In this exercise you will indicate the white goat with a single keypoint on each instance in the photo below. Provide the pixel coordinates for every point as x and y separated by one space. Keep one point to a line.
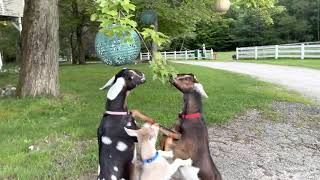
155 166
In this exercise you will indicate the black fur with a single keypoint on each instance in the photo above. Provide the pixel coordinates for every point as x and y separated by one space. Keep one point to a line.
112 161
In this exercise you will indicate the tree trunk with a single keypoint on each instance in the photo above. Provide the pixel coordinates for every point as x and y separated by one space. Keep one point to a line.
81 49
74 56
40 49
154 46
18 50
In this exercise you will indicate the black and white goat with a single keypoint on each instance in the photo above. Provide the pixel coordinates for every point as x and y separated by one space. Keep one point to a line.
116 147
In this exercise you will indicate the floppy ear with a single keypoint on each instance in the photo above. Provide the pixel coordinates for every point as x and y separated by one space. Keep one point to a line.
116 88
131 132
199 88
109 83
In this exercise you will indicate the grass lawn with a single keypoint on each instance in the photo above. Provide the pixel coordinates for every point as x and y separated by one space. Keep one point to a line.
309 63
63 130
225 56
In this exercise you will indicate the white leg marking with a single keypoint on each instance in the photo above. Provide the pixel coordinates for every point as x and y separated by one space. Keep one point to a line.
113 177
99 170
121 146
106 140
115 169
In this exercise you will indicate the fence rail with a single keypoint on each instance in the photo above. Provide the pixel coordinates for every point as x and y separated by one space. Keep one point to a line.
301 51
183 55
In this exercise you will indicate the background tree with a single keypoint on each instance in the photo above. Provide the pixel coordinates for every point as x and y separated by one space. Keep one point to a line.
75 24
8 41
40 49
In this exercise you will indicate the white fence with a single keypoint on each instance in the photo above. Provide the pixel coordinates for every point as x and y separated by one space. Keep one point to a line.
301 51
183 55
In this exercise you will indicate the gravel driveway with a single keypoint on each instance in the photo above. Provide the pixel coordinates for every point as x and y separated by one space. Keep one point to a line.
304 80
254 147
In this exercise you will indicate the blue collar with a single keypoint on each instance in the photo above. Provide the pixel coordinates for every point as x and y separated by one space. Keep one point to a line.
153 158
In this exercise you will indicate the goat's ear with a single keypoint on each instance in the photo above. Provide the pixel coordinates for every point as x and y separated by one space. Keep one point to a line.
109 83
131 132
116 88
199 88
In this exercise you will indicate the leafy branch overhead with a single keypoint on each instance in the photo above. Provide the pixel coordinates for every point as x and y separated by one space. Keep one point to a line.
115 18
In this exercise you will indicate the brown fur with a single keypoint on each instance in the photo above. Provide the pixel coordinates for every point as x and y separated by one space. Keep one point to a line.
194 135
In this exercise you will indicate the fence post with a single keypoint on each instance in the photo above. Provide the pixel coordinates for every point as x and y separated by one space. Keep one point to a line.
255 52
212 55
277 52
186 54
302 51
165 55
148 56
198 54
1 64
175 55
237 53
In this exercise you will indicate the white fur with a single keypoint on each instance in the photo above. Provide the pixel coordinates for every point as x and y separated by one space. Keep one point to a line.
160 169
99 170
115 169
121 146
189 172
116 88
129 124
199 88
131 132
113 177
109 83
106 140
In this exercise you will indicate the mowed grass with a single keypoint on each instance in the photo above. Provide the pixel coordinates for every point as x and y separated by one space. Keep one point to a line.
225 56
63 130
308 63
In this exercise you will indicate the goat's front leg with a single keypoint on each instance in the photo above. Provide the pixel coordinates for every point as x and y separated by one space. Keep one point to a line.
137 114
170 133
176 164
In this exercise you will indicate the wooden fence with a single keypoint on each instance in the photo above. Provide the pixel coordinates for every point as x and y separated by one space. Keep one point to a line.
299 51
183 55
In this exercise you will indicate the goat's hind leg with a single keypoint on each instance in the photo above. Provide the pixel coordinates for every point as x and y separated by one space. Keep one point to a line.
176 164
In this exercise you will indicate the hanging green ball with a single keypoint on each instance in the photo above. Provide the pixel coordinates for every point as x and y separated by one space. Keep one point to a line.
115 50
148 17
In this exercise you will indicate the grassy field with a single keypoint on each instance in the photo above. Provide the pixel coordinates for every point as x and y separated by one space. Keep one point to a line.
225 56
309 63
62 131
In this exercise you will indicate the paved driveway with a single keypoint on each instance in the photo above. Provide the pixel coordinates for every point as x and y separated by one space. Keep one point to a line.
304 80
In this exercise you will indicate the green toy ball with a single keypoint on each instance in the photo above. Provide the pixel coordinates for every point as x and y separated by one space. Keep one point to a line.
115 50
